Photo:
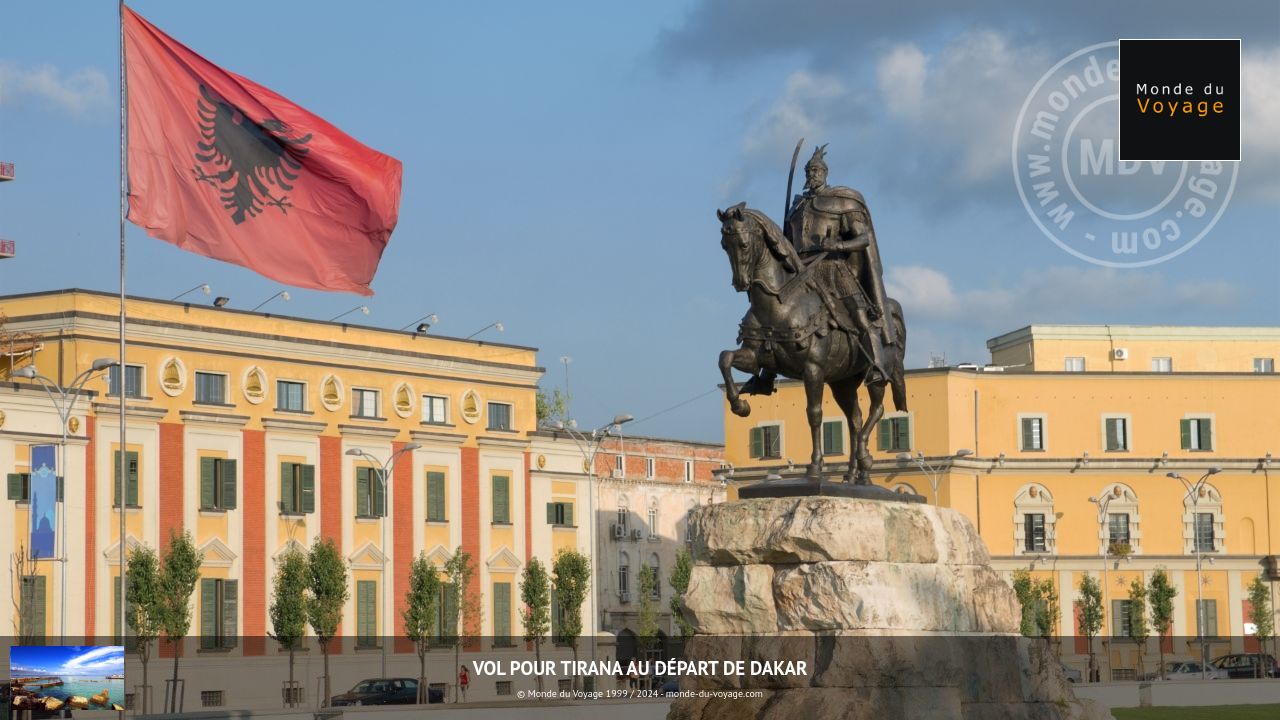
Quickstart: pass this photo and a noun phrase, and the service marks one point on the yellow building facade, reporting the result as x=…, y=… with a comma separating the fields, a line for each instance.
x=1066, y=473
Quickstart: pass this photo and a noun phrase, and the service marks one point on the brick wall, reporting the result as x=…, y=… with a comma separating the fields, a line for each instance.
x=172, y=479
x=402, y=542
x=253, y=521
x=470, y=458
x=330, y=492
x=90, y=525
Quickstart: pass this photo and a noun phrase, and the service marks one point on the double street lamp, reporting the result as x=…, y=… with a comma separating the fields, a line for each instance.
x=64, y=402
x=381, y=470
x=1103, y=503
x=934, y=473
x=1193, y=492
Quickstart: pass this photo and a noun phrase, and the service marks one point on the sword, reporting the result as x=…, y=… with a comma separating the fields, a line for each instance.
x=786, y=208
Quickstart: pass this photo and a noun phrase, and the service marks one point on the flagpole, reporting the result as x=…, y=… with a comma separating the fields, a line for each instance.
x=121, y=374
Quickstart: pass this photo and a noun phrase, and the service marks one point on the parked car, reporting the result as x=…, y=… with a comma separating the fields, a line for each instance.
x=1187, y=670
x=670, y=687
x=1246, y=665
x=385, y=691
x=1072, y=674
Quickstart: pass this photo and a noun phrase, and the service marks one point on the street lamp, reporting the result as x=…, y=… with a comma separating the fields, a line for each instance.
x=202, y=286
x=361, y=308
x=382, y=470
x=64, y=401
x=495, y=325
x=1193, y=491
x=934, y=474
x=589, y=459
x=424, y=323
x=1103, y=503
x=283, y=295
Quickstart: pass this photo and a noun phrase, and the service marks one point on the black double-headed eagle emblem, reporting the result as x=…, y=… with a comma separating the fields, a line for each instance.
x=245, y=159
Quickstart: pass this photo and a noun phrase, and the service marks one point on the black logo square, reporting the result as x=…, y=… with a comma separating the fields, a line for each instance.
x=1179, y=99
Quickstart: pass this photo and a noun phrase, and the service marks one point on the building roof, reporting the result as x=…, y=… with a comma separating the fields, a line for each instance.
x=1185, y=333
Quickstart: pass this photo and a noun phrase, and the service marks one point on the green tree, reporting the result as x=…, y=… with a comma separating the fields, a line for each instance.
x=535, y=593
x=1161, y=594
x=144, y=608
x=420, y=614
x=1139, y=630
x=179, y=573
x=571, y=578
x=288, y=609
x=1090, y=607
x=647, y=611
x=1260, y=613
x=553, y=406
x=328, y=584
x=681, y=571
x=1038, y=600
x=463, y=608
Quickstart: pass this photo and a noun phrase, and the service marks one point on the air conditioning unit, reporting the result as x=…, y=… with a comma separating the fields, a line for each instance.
x=624, y=596
x=1120, y=354
x=619, y=531
x=636, y=534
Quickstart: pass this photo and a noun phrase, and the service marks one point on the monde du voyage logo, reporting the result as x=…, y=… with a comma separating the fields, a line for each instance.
x=1128, y=163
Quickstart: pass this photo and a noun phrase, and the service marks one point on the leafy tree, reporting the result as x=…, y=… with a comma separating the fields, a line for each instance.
x=464, y=601
x=553, y=406
x=420, y=613
x=571, y=577
x=680, y=574
x=647, y=612
x=1161, y=594
x=1139, y=630
x=328, y=584
x=144, y=608
x=1260, y=613
x=288, y=609
x=535, y=593
x=1039, y=600
x=1090, y=605
x=179, y=573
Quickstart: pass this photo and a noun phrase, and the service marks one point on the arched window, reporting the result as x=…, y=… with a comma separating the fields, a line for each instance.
x=653, y=518
x=1034, y=521
x=656, y=564
x=624, y=576
x=1120, y=531
x=1202, y=521
x=624, y=513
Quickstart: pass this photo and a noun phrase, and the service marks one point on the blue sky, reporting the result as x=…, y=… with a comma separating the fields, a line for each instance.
x=67, y=660
x=563, y=162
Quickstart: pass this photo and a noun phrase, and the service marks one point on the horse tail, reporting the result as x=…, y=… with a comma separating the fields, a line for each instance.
x=897, y=379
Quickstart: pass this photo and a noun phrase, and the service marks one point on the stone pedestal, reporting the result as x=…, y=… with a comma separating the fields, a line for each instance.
x=893, y=608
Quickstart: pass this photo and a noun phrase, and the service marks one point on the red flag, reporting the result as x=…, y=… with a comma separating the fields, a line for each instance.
x=223, y=167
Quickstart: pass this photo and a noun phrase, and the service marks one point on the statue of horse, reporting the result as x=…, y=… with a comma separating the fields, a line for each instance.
x=792, y=330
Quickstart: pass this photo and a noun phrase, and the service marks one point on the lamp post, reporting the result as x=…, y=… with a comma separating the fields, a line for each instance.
x=589, y=462
x=283, y=295
x=495, y=325
x=64, y=401
x=1102, y=503
x=934, y=474
x=382, y=470
x=202, y=286
x=1193, y=491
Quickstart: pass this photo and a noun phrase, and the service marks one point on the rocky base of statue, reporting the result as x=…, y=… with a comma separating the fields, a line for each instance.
x=852, y=608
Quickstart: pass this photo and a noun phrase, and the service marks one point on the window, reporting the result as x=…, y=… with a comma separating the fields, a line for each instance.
x=895, y=434
x=132, y=380
x=649, y=468
x=297, y=488
x=1117, y=433
x=1120, y=618
x=1032, y=434
x=291, y=396
x=211, y=388
x=656, y=569
x=447, y=615
x=564, y=685
x=129, y=638
x=131, y=484
x=619, y=465
x=20, y=486
x=435, y=497
x=366, y=613
x=371, y=493
x=623, y=514
x=1033, y=534
x=217, y=484
x=1205, y=540
x=501, y=499
x=653, y=523
x=211, y=698
x=688, y=471
x=502, y=614
x=499, y=416
x=1264, y=365
x=833, y=437
x=364, y=403
x=766, y=441
x=1162, y=364
x=560, y=513
x=435, y=409
x=32, y=609
x=624, y=582
x=1207, y=618
x=1196, y=433
x=1074, y=364
x=218, y=613
x=502, y=687
x=1118, y=529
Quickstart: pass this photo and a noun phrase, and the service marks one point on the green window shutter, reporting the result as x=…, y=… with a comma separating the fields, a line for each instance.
x=1028, y=434
x=230, y=613
x=308, y=488
x=832, y=438
x=62, y=485
x=362, y=492
x=115, y=610
x=208, y=613
x=366, y=612
x=286, y=488
x=1113, y=434
x=131, y=486
x=501, y=498
x=1206, y=433
x=901, y=433
x=757, y=442
x=883, y=439
x=1184, y=427
x=378, y=491
x=208, y=483
x=555, y=615
x=435, y=496
x=551, y=513
x=229, y=484
x=568, y=513
x=450, y=610
x=502, y=613
x=115, y=479
x=15, y=486
x=31, y=609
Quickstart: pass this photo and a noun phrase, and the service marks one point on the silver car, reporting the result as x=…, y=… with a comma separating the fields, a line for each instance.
x=1189, y=670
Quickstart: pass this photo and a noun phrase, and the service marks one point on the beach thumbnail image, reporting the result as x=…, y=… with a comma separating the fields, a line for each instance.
x=66, y=680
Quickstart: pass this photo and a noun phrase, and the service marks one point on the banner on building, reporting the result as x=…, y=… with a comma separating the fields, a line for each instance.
x=44, y=501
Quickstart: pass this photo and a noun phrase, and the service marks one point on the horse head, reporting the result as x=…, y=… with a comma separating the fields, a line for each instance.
x=739, y=236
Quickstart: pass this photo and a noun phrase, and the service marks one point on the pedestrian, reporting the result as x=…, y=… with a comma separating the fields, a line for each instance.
x=633, y=675
x=463, y=681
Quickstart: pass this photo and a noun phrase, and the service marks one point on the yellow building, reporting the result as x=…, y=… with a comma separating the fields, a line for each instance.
x=1059, y=463
x=259, y=434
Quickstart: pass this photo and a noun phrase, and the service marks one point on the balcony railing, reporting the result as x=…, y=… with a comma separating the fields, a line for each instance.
x=6, y=171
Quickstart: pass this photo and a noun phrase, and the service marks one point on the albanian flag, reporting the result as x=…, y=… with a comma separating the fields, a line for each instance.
x=223, y=167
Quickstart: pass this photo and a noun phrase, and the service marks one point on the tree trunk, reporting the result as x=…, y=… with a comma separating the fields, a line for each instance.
x=575, y=664
x=177, y=652
x=292, y=699
x=1161, y=668
x=142, y=702
x=324, y=650
x=537, y=654
x=424, y=694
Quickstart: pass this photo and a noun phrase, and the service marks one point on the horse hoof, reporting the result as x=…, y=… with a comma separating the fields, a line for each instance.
x=864, y=478
x=740, y=407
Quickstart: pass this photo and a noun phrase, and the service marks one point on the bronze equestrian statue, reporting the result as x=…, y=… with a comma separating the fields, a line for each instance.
x=818, y=314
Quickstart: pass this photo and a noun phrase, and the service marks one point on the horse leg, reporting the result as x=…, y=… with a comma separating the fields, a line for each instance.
x=813, y=387
x=846, y=394
x=744, y=360
x=875, y=391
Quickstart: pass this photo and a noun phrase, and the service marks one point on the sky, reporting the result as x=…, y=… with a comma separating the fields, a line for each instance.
x=66, y=660
x=563, y=162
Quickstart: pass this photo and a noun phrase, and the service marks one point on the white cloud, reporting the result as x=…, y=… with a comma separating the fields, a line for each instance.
x=901, y=75
x=96, y=660
x=77, y=92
